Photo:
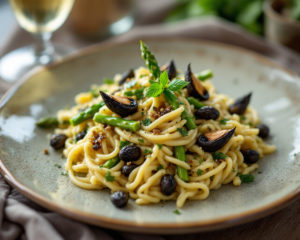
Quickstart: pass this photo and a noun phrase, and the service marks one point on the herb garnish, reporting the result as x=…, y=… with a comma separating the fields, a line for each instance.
x=224, y=121
x=218, y=156
x=246, y=178
x=147, y=151
x=182, y=131
x=243, y=118
x=176, y=212
x=109, y=177
x=108, y=81
x=199, y=172
x=201, y=161
x=123, y=144
x=141, y=140
x=146, y=122
x=160, y=167
x=159, y=146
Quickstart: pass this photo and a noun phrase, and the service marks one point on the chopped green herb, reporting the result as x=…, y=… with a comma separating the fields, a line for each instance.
x=143, y=113
x=101, y=166
x=123, y=144
x=159, y=146
x=250, y=124
x=64, y=173
x=147, y=151
x=204, y=75
x=246, y=178
x=177, y=85
x=95, y=92
x=141, y=140
x=199, y=172
x=57, y=165
x=211, y=178
x=201, y=161
x=182, y=131
x=224, y=121
x=109, y=177
x=218, y=156
x=139, y=93
x=233, y=170
x=243, y=118
x=108, y=81
x=146, y=122
x=176, y=212
x=160, y=167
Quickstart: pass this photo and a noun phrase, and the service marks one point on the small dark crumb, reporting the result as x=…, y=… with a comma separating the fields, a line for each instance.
x=156, y=131
x=259, y=172
x=96, y=140
x=46, y=152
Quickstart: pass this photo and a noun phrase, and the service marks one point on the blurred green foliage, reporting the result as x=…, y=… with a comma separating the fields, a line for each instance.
x=247, y=13
x=295, y=10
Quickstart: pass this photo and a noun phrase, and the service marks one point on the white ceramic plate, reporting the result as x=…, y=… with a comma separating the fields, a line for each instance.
x=276, y=96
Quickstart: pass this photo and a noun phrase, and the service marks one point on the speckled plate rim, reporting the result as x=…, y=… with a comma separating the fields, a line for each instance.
x=132, y=226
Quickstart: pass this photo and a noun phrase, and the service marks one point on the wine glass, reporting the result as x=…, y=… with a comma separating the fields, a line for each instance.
x=40, y=18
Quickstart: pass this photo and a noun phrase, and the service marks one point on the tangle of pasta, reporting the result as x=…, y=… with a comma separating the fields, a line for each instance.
x=157, y=141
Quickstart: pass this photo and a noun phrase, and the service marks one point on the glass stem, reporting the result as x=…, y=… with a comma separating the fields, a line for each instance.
x=44, y=50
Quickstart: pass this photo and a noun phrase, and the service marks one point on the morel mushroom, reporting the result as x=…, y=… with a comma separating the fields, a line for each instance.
x=195, y=87
x=240, y=104
x=212, y=141
x=125, y=76
x=170, y=68
x=123, y=106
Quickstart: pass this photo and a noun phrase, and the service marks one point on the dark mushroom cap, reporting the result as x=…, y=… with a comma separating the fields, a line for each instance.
x=212, y=141
x=240, y=104
x=170, y=68
x=130, y=153
x=119, y=199
x=57, y=141
x=195, y=87
x=125, y=76
x=264, y=130
x=167, y=184
x=250, y=156
x=123, y=106
x=207, y=112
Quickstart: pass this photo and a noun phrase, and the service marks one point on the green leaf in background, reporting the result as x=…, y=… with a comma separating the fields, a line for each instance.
x=295, y=9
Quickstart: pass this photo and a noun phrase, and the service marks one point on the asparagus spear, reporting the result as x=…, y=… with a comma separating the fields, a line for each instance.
x=118, y=122
x=173, y=101
x=87, y=114
x=204, y=75
x=195, y=102
x=150, y=60
x=180, y=154
x=49, y=122
x=114, y=161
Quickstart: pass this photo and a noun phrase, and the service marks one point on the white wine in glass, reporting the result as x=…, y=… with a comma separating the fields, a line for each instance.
x=41, y=18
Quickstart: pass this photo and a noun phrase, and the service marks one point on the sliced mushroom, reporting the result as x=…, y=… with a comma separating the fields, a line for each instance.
x=212, y=141
x=195, y=87
x=170, y=68
x=123, y=106
x=240, y=104
x=125, y=76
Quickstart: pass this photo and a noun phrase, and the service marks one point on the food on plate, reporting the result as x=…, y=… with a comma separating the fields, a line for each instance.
x=156, y=134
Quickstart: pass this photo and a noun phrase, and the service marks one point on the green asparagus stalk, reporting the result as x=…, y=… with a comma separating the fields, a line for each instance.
x=111, y=162
x=87, y=114
x=114, y=161
x=129, y=125
x=173, y=101
x=204, y=75
x=49, y=122
x=195, y=102
x=180, y=154
x=150, y=60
